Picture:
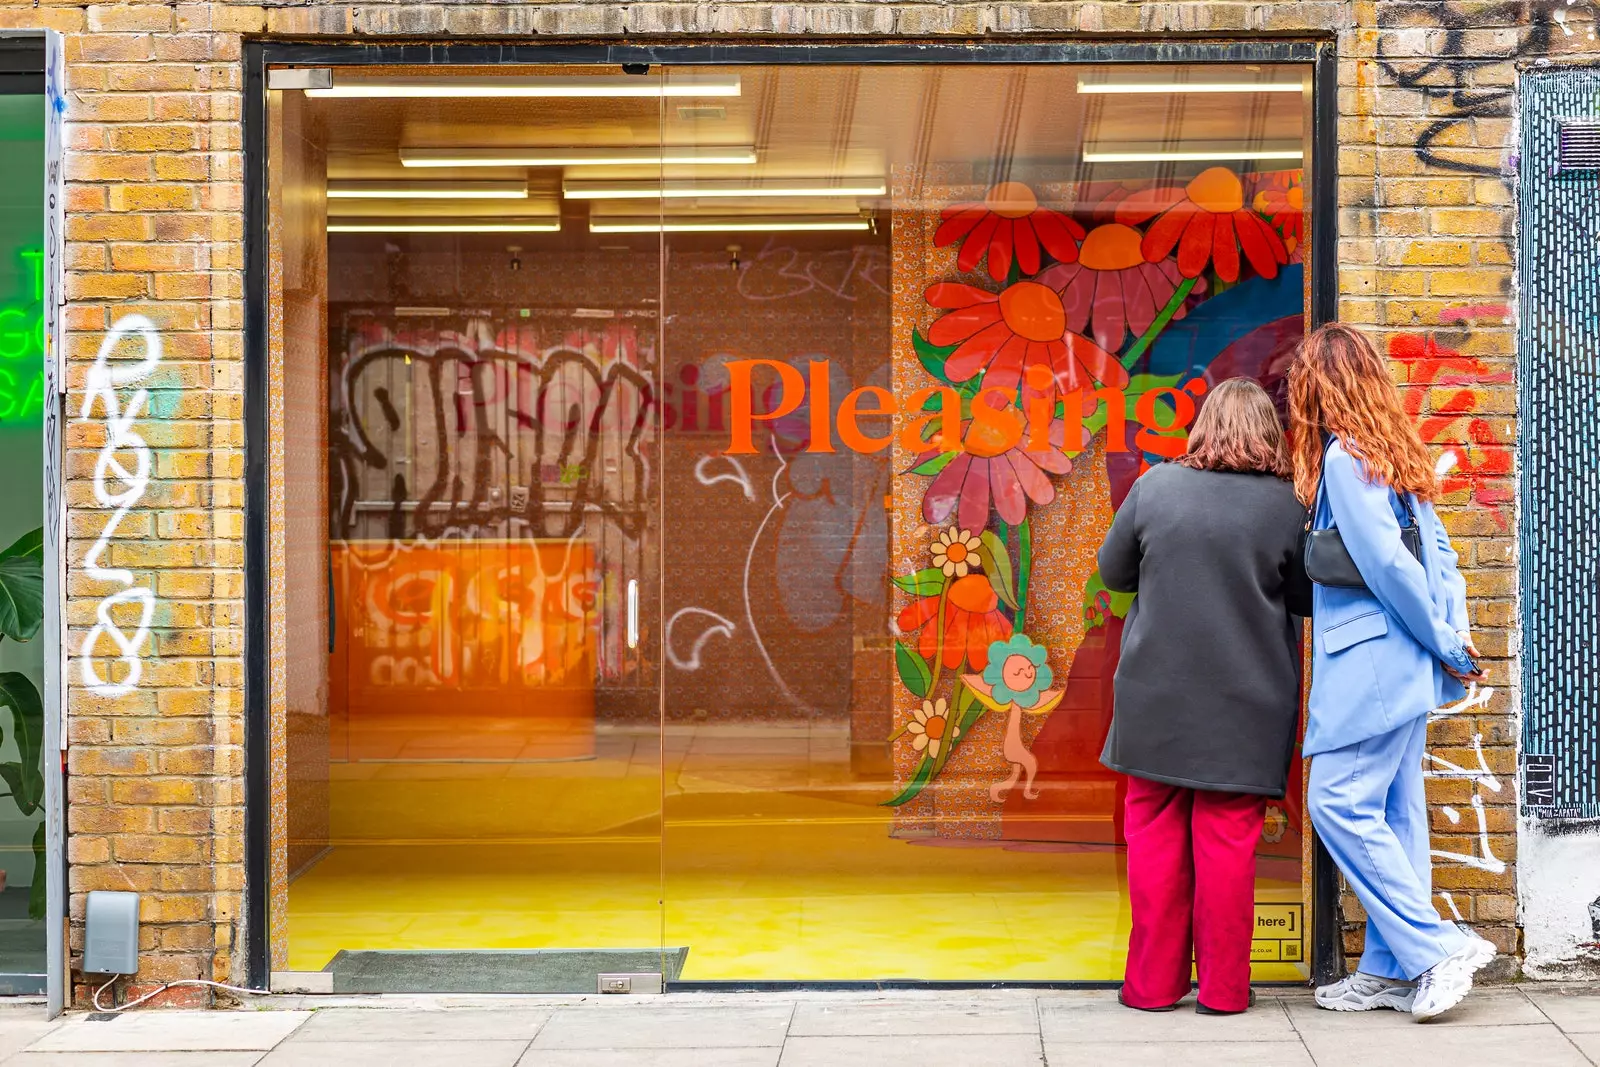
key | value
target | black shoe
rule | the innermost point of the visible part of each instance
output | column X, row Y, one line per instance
column 1201, row 1009
column 1170, row 1007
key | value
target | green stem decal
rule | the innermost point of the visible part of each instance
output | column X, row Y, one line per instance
column 938, row 656
column 1162, row 318
column 1024, row 566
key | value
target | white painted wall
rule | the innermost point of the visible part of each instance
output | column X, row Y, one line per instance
column 1558, row 879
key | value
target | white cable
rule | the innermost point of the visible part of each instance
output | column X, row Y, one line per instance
column 156, row 993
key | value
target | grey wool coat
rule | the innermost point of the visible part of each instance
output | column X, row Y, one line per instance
column 1207, row 686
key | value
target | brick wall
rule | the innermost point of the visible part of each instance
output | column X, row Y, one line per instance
column 154, row 228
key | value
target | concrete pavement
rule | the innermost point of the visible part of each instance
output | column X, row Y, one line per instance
column 1553, row 1026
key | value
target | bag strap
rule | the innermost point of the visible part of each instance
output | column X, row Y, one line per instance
column 1405, row 502
column 1316, row 500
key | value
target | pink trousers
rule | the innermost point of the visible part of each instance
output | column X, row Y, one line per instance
column 1191, row 889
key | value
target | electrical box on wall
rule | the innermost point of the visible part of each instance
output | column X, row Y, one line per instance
column 111, row 933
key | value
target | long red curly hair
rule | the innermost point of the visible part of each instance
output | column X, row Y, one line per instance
column 1339, row 384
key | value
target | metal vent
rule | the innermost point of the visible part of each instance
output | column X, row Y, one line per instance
column 1579, row 147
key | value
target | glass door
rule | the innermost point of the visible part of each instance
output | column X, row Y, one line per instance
column 471, row 531
column 915, row 354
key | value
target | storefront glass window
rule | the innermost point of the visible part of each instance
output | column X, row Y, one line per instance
column 22, row 935
column 673, row 461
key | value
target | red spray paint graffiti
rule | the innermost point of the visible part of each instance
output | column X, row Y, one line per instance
column 1446, row 394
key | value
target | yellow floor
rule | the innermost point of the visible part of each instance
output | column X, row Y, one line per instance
column 769, row 870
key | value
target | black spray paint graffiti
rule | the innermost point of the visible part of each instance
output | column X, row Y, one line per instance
column 486, row 426
column 1447, row 78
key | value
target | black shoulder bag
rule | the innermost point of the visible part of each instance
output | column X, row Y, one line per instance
column 1325, row 559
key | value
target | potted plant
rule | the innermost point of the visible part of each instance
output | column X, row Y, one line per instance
column 21, row 614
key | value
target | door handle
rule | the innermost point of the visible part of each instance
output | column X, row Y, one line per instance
column 633, row 613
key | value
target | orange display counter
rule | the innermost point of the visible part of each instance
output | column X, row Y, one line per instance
column 462, row 650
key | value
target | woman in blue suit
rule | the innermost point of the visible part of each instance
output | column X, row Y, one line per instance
column 1384, row 656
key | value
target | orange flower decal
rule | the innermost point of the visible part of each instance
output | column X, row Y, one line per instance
column 972, row 622
column 1005, row 335
column 1008, row 224
column 1207, row 222
column 1112, row 288
column 1284, row 209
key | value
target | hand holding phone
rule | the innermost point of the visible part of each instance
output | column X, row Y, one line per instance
column 1476, row 674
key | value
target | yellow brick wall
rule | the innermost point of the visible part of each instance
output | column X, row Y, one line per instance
column 154, row 227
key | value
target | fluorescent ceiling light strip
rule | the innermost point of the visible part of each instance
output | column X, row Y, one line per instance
column 443, row 225
column 573, row 157
column 1189, row 87
column 730, row 224
column 1193, row 157
column 555, row 86
column 415, row 190
column 579, row 189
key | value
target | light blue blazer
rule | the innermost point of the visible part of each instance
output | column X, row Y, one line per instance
column 1379, row 653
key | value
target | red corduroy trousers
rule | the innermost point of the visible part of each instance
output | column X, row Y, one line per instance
column 1191, row 889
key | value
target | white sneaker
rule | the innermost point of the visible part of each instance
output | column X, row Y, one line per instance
column 1447, row 982
column 1365, row 992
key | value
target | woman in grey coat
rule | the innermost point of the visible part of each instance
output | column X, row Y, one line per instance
column 1207, row 693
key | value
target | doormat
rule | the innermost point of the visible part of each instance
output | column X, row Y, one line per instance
column 556, row 970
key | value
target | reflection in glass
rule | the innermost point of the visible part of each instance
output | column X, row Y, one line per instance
column 22, row 865
column 842, row 372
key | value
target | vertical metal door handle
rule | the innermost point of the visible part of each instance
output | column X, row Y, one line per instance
column 633, row 613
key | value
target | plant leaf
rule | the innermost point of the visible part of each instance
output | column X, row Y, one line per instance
column 933, row 466
column 22, row 587
column 931, row 356
column 928, row 582
column 26, row 778
column 966, row 711
column 41, row 871
column 915, row 786
column 29, row 544
column 914, row 672
column 997, row 565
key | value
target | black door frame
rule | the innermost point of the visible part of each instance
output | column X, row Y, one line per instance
column 1326, row 959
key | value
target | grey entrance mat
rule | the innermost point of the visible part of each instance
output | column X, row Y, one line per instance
column 495, row 970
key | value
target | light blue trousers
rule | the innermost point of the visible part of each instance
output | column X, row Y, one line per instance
column 1368, row 805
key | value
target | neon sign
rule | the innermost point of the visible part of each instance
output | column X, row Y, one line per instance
column 22, row 347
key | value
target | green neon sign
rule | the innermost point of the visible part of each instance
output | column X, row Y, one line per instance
column 22, row 346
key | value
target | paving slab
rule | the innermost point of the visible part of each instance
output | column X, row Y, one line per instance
column 1588, row 1044
column 883, row 1018
column 17, row 1031
column 134, row 1059
column 377, row 1024
column 930, row 1050
column 1462, row 1046
column 709, row 1027
column 174, row 1031
column 1099, row 1018
column 1576, row 1013
column 395, row 1054
column 1187, row 1053
column 650, row 1057
column 1483, row 1007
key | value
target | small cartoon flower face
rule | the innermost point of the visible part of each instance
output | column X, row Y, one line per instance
column 1017, row 671
column 930, row 727
column 955, row 553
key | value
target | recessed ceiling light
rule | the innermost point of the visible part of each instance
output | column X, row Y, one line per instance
column 553, row 86
column 340, row 189
column 728, row 224
column 549, row 224
column 1164, row 88
column 1206, row 156
column 599, row 189
column 573, row 157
